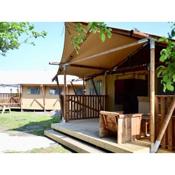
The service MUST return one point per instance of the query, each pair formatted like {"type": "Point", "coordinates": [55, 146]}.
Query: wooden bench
{"type": "Point", "coordinates": [126, 127]}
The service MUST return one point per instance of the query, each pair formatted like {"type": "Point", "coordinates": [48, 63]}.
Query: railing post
{"type": "Point", "coordinates": [65, 90]}
{"type": "Point", "coordinates": [105, 89]}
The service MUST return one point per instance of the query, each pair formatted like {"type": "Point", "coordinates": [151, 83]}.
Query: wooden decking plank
{"type": "Point", "coordinates": [104, 143]}
{"type": "Point", "coordinates": [72, 143]}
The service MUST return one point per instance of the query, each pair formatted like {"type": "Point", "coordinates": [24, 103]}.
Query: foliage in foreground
{"type": "Point", "coordinates": [13, 34]}
{"type": "Point", "coordinates": [92, 27]}
{"type": "Point", "coordinates": [166, 71]}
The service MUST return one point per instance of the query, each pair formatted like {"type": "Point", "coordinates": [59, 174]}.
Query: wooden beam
{"type": "Point", "coordinates": [152, 90]}
{"type": "Point", "coordinates": [84, 88]}
{"type": "Point", "coordinates": [129, 56]}
{"type": "Point", "coordinates": [88, 67]}
{"type": "Point", "coordinates": [73, 88]}
{"type": "Point", "coordinates": [163, 128]}
{"type": "Point", "coordinates": [60, 99]}
{"type": "Point", "coordinates": [65, 90]}
{"type": "Point", "coordinates": [21, 97]}
{"type": "Point", "coordinates": [93, 84]}
{"type": "Point", "coordinates": [44, 98]}
{"type": "Point", "coordinates": [105, 88]}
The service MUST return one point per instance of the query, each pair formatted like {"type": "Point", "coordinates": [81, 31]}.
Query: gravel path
{"type": "Point", "coordinates": [14, 141]}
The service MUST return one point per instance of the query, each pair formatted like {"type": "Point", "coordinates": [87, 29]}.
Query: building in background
{"type": "Point", "coordinates": [35, 89]}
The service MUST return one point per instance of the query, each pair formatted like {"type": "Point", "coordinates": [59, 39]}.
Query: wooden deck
{"type": "Point", "coordinates": [88, 131]}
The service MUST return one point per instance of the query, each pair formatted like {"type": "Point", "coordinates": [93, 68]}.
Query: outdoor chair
{"type": "Point", "coordinates": [126, 127]}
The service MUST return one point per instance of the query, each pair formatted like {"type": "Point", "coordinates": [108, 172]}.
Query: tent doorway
{"type": "Point", "coordinates": [127, 91]}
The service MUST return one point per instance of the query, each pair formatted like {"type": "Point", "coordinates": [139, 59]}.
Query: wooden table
{"type": "Point", "coordinates": [4, 107]}
{"type": "Point", "coordinates": [126, 127]}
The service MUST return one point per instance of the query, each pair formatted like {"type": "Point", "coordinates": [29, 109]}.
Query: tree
{"type": "Point", "coordinates": [166, 71]}
{"type": "Point", "coordinates": [13, 34]}
{"type": "Point", "coordinates": [93, 27]}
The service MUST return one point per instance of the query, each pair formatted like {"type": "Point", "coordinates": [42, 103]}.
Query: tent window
{"type": "Point", "coordinates": [55, 91]}
{"type": "Point", "coordinates": [34, 90]}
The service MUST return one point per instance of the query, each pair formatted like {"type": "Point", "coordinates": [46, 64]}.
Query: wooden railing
{"type": "Point", "coordinates": [10, 98]}
{"type": "Point", "coordinates": [163, 103]}
{"type": "Point", "coordinates": [83, 106]}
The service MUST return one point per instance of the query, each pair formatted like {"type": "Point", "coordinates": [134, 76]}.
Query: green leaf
{"type": "Point", "coordinates": [170, 87]}
{"type": "Point", "coordinates": [102, 36]}
{"type": "Point", "coordinates": [173, 77]}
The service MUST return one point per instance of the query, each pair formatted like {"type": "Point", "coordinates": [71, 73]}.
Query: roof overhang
{"type": "Point", "coordinates": [95, 56]}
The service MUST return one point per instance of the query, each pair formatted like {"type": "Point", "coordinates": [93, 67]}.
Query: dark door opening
{"type": "Point", "coordinates": [127, 91]}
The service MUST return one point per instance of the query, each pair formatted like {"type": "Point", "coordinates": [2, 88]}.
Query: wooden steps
{"type": "Point", "coordinates": [93, 139]}
{"type": "Point", "coordinates": [72, 143]}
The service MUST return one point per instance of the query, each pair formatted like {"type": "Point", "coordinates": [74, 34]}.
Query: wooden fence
{"type": "Point", "coordinates": [11, 98]}
{"type": "Point", "coordinates": [163, 103]}
{"type": "Point", "coordinates": [83, 106]}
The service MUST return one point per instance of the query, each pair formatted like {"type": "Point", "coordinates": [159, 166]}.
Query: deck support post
{"type": "Point", "coordinates": [59, 95]}
{"type": "Point", "coordinates": [105, 88]}
{"type": "Point", "coordinates": [43, 95]}
{"type": "Point", "coordinates": [152, 90]}
{"type": "Point", "coordinates": [84, 88]}
{"type": "Point", "coordinates": [65, 93]}
{"type": "Point", "coordinates": [21, 97]}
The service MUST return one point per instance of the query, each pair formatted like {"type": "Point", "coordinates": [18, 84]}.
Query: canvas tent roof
{"type": "Point", "coordinates": [95, 56]}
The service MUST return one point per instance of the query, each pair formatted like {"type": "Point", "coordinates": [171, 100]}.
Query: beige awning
{"type": "Point", "coordinates": [95, 56]}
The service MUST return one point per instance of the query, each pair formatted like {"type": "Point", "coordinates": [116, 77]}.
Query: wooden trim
{"type": "Point", "coordinates": [44, 97]}
{"type": "Point", "coordinates": [35, 100]}
{"type": "Point", "coordinates": [152, 90]}
{"type": "Point", "coordinates": [65, 90]}
{"type": "Point", "coordinates": [129, 56]}
{"type": "Point", "coordinates": [119, 73]}
{"type": "Point", "coordinates": [72, 85]}
{"type": "Point", "coordinates": [84, 88]}
{"type": "Point", "coordinates": [59, 95]}
{"type": "Point", "coordinates": [88, 67]}
{"type": "Point", "coordinates": [93, 84]}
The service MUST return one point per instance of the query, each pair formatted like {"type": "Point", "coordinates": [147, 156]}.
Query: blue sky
{"type": "Point", "coordinates": [37, 57]}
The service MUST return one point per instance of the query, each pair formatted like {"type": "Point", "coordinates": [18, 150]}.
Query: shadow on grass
{"type": "Point", "coordinates": [37, 128]}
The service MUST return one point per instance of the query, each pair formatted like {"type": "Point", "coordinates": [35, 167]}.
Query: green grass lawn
{"type": "Point", "coordinates": [30, 122]}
